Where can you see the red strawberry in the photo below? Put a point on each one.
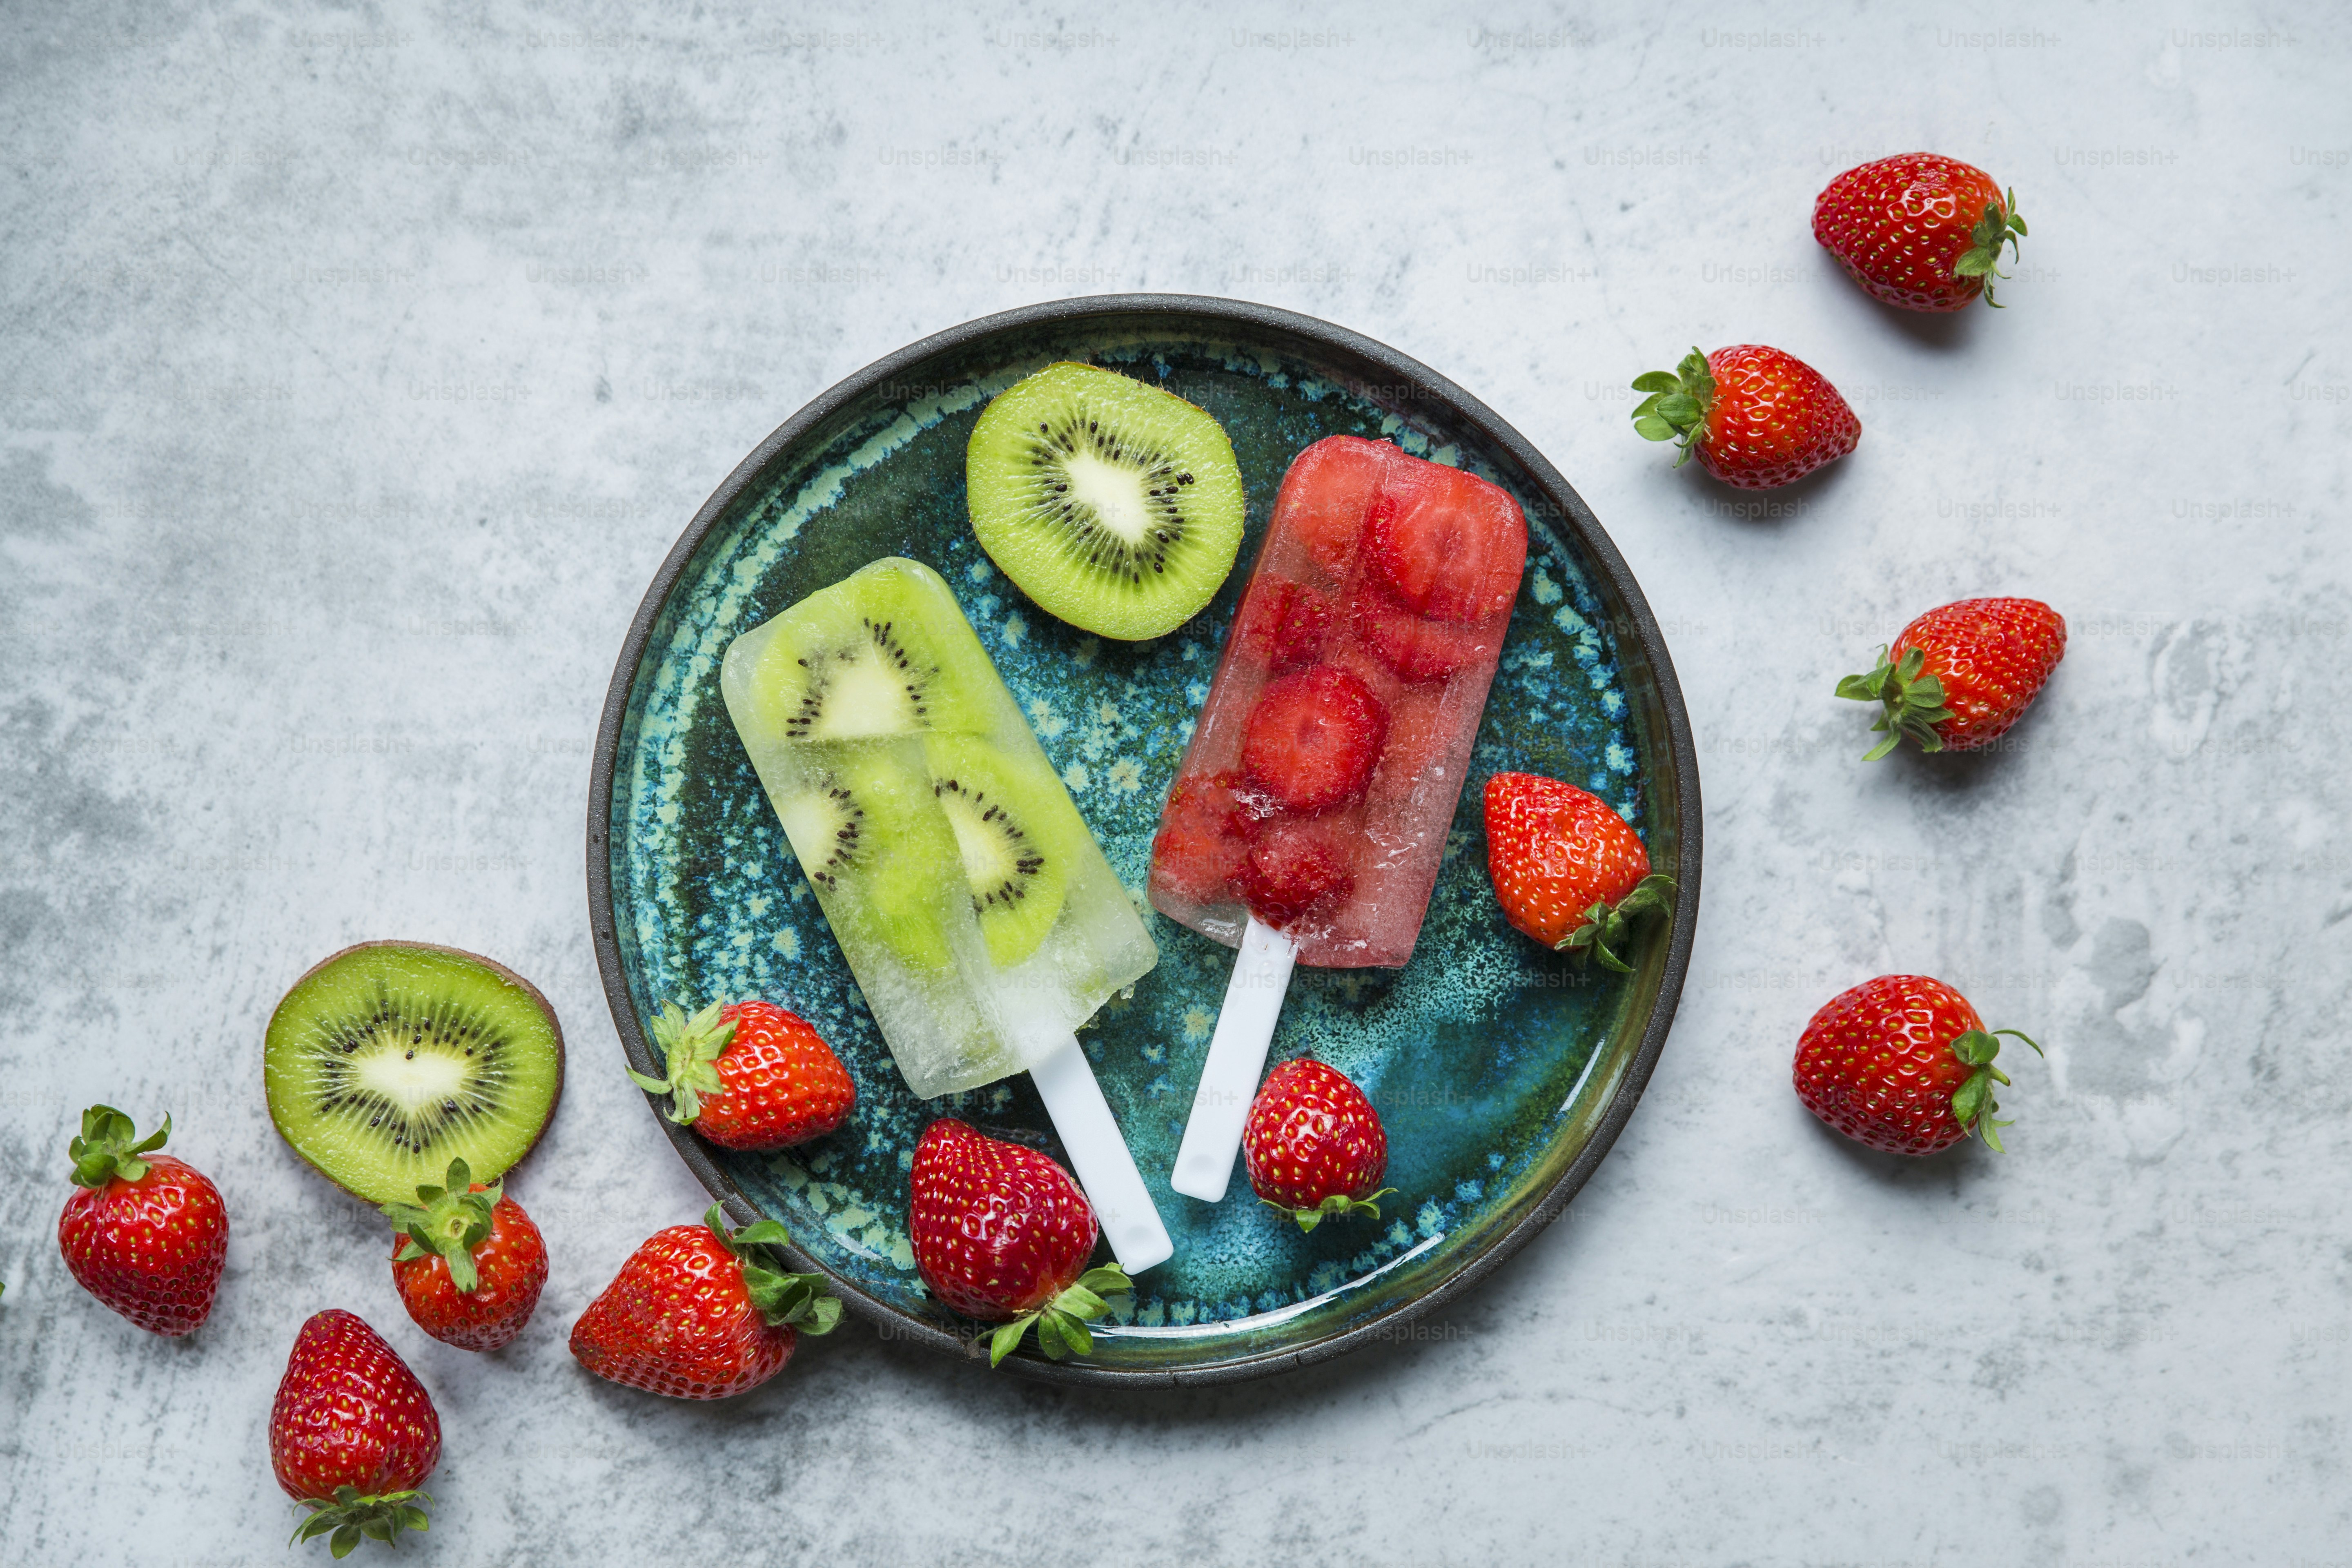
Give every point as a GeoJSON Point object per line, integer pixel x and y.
{"type": "Point", "coordinates": [1314, 1144]}
{"type": "Point", "coordinates": [1443, 543]}
{"type": "Point", "coordinates": [748, 1075]}
{"type": "Point", "coordinates": [353, 1435]}
{"type": "Point", "coordinates": [1757, 417]}
{"type": "Point", "coordinates": [1419, 650]}
{"type": "Point", "coordinates": [1566, 870]}
{"type": "Point", "coordinates": [1204, 831]}
{"type": "Point", "coordinates": [1291, 872]}
{"type": "Point", "coordinates": [1283, 624]}
{"type": "Point", "coordinates": [1002, 1232]}
{"type": "Point", "coordinates": [697, 1313]}
{"type": "Point", "coordinates": [1326, 493]}
{"type": "Point", "coordinates": [1918, 230]}
{"type": "Point", "coordinates": [146, 1234]}
{"type": "Point", "coordinates": [1902, 1063]}
{"type": "Point", "coordinates": [1313, 738]}
{"type": "Point", "coordinates": [1960, 675]}
{"type": "Point", "coordinates": [471, 1264]}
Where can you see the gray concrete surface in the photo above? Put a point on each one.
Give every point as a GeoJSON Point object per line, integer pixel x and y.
{"type": "Point", "coordinates": [358, 365]}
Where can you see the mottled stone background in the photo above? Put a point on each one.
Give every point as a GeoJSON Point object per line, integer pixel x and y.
{"type": "Point", "coordinates": [357, 366]}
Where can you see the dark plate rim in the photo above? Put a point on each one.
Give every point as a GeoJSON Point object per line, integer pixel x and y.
{"type": "Point", "coordinates": [1396, 370]}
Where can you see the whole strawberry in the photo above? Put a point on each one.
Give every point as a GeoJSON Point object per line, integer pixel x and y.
{"type": "Point", "coordinates": [1757, 418]}
{"type": "Point", "coordinates": [1919, 231]}
{"type": "Point", "coordinates": [1313, 1144]}
{"type": "Point", "coordinates": [469, 1264]}
{"type": "Point", "coordinates": [353, 1435]}
{"type": "Point", "coordinates": [1003, 1233]}
{"type": "Point", "coordinates": [1902, 1063]}
{"type": "Point", "coordinates": [146, 1234]}
{"type": "Point", "coordinates": [748, 1075]}
{"type": "Point", "coordinates": [1960, 675]}
{"type": "Point", "coordinates": [1566, 870]}
{"type": "Point", "coordinates": [698, 1312]}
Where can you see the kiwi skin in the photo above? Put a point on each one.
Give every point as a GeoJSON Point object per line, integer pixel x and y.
{"type": "Point", "coordinates": [554, 1025]}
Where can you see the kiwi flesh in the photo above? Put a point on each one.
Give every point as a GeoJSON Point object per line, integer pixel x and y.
{"type": "Point", "coordinates": [862, 668]}
{"type": "Point", "coordinates": [1116, 506]}
{"type": "Point", "coordinates": [861, 829]}
{"type": "Point", "coordinates": [388, 1059]}
{"type": "Point", "coordinates": [1011, 841]}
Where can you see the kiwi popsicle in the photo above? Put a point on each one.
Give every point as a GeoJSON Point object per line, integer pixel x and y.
{"type": "Point", "coordinates": [1308, 818]}
{"type": "Point", "coordinates": [968, 895]}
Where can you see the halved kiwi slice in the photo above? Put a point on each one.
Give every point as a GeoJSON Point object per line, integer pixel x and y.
{"type": "Point", "coordinates": [1116, 506]}
{"type": "Point", "coordinates": [389, 1059]}
{"type": "Point", "coordinates": [856, 663]}
{"type": "Point", "coordinates": [864, 832]}
{"type": "Point", "coordinates": [1014, 836]}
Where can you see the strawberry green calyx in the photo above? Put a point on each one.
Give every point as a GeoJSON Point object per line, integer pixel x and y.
{"type": "Point", "coordinates": [350, 1518]}
{"type": "Point", "coordinates": [689, 1048]}
{"type": "Point", "coordinates": [1678, 404]}
{"type": "Point", "coordinates": [784, 1299]}
{"type": "Point", "coordinates": [110, 1146]}
{"type": "Point", "coordinates": [1973, 1102]}
{"type": "Point", "coordinates": [1999, 226]}
{"type": "Point", "coordinates": [1062, 1322]}
{"type": "Point", "coordinates": [1605, 927]}
{"type": "Point", "coordinates": [1336, 1204]}
{"type": "Point", "coordinates": [1914, 701]}
{"type": "Point", "coordinates": [448, 1222]}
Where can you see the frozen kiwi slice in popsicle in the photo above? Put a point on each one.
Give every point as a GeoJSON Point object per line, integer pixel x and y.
{"type": "Point", "coordinates": [1013, 839]}
{"type": "Point", "coordinates": [390, 1058]}
{"type": "Point", "coordinates": [860, 668]}
{"type": "Point", "coordinates": [1116, 506]}
{"type": "Point", "coordinates": [862, 829]}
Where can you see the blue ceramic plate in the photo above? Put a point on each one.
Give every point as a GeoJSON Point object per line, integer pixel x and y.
{"type": "Point", "coordinates": [1502, 1071]}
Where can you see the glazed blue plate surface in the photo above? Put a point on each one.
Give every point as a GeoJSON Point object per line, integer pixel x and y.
{"type": "Point", "coordinates": [1501, 1070]}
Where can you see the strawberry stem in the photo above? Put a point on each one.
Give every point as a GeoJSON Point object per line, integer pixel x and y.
{"type": "Point", "coordinates": [353, 1518]}
{"type": "Point", "coordinates": [1912, 701]}
{"type": "Point", "coordinates": [1678, 404]}
{"type": "Point", "coordinates": [689, 1051]}
{"type": "Point", "coordinates": [1973, 1102]}
{"type": "Point", "coordinates": [1999, 226]}
{"type": "Point", "coordinates": [448, 1222]}
{"type": "Point", "coordinates": [782, 1296]}
{"type": "Point", "coordinates": [110, 1146]}
{"type": "Point", "coordinates": [1061, 1324]}
{"type": "Point", "coordinates": [1605, 928]}
{"type": "Point", "coordinates": [1336, 1204]}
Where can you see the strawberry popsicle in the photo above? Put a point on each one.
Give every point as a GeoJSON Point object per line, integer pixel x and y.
{"type": "Point", "coordinates": [1308, 819]}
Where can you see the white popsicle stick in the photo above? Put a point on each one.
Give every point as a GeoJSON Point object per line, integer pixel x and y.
{"type": "Point", "coordinates": [1213, 1134]}
{"type": "Point", "coordinates": [1123, 1205]}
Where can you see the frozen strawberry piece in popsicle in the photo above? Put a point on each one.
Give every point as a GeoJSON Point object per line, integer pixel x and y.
{"type": "Point", "coordinates": [1444, 544]}
{"type": "Point", "coordinates": [1325, 499]}
{"type": "Point", "coordinates": [1287, 626]}
{"type": "Point", "coordinates": [1292, 870]}
{"type": "Point", "coordinates": [1313, 738]}
{"type": "Point", "coordinates": [1205, 830]}
{"type": "Point", "coordinates": [1346, 703]}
